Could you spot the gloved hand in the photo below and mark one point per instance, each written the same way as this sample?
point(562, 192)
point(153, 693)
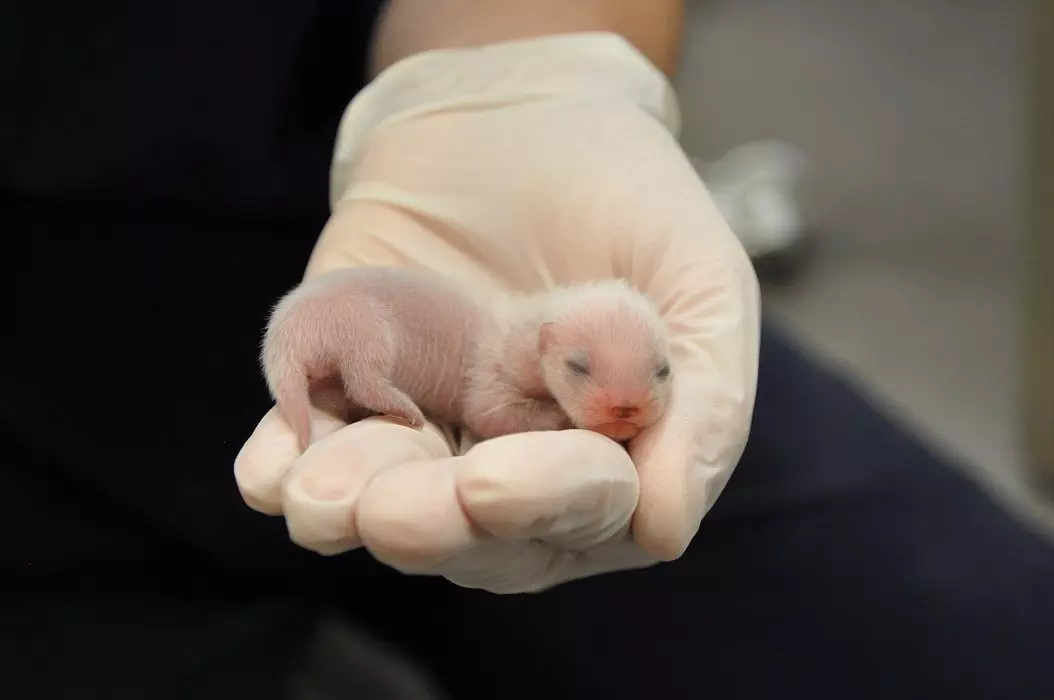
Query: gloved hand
point(516, 166)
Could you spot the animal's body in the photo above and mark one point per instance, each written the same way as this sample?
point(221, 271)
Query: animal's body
point(365, 340)
point(505, 391)
point(412, 345)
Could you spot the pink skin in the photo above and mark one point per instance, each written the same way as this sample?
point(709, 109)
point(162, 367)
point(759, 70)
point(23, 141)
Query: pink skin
point(360, 341)
point(607, 365)
point(505, 392)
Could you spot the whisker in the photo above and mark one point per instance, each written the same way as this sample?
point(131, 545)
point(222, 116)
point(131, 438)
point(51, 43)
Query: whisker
point(499, 407)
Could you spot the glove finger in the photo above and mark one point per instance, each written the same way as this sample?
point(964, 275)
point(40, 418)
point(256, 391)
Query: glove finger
point(710, 300)
point(530, 566)
point(550, 520)
point(506, 566)
point(571, 489)
point(502, 519)
point(264, 461)
point(687, 458)
point(324, 488)
point(410, 518)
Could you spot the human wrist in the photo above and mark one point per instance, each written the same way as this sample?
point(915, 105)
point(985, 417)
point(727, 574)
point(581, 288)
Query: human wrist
point(406, 27)
point(583, 67)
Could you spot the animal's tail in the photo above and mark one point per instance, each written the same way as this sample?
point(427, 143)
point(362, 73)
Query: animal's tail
point(283, 357)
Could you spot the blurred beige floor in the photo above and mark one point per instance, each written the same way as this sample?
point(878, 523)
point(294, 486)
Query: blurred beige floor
point(910, 111)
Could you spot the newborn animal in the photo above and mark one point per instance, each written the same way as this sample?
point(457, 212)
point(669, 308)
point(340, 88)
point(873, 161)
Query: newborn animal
point(592, 356)
point(367, 340)
point(410, 344)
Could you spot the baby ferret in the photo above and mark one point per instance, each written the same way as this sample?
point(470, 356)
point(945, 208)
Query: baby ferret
point(411, 344)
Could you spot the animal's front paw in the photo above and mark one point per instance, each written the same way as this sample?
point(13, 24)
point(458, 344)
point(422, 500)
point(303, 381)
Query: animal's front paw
point(519, 416)
point(547, 415)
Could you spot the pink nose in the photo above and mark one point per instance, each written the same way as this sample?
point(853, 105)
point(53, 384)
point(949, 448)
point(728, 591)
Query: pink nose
point(622, 412)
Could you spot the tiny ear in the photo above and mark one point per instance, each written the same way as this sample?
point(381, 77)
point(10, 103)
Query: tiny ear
point(545, 337)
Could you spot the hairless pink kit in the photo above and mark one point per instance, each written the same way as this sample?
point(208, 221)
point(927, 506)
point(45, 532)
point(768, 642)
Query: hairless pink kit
point(412, 345)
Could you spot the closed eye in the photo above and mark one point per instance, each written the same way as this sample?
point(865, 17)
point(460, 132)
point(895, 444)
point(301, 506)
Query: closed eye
point(577, 367)
point(663, 372)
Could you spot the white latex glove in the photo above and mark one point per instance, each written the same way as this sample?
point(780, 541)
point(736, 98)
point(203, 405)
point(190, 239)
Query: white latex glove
point(517, 166)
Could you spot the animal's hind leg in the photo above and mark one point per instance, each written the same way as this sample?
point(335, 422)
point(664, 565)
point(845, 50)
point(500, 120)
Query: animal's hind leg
point(380, 396)
point(331, 397)
point(367, 385)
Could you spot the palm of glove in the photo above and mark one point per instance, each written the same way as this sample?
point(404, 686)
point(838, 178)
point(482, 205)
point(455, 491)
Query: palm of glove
point(506, 193)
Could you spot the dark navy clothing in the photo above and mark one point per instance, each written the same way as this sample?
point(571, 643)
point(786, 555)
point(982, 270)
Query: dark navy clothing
point(163, 176)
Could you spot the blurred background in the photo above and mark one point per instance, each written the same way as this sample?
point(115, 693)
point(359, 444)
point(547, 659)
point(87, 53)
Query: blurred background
point(908, 271)
point(912, 116)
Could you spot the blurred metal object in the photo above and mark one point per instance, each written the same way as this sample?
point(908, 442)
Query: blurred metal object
point(756, 188)
point(1038, 327)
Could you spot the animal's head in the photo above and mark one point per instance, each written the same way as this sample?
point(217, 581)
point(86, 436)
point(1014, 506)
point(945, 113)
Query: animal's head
point(606, 360)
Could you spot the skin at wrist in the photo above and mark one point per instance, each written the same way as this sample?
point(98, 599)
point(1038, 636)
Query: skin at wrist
point(408, 27)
